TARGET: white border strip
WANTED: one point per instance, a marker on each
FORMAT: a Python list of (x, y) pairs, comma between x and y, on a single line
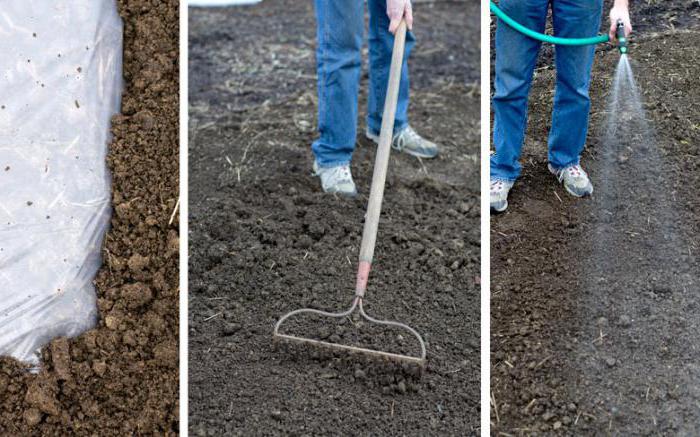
[(184, 228), (485, 221)]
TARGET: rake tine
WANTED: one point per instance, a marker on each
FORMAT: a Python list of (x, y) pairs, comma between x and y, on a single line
[(371, 352)]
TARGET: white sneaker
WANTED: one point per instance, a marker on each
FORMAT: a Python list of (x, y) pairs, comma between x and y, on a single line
[(336, 179), (499, 194), (575, 180), (410, 142)]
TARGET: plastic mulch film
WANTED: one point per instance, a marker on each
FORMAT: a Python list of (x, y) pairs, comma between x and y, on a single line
[(60, 83)]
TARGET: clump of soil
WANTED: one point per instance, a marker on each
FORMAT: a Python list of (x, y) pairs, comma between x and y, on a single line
[(121, 378), (265, 240), (594, 309)]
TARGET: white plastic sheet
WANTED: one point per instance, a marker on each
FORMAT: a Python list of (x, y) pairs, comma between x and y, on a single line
[(60, 83)]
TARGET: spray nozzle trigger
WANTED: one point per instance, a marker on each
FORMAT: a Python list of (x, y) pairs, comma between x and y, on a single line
[(621, 38)]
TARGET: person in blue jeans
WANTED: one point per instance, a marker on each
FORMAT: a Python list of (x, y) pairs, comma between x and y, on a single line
[(516, 57), (340, 29)]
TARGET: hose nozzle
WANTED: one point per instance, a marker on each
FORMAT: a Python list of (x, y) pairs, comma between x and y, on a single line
[(621, 38)]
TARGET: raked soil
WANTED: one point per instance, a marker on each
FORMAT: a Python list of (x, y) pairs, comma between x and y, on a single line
[(265, 240), (121, 378), (595, 301)]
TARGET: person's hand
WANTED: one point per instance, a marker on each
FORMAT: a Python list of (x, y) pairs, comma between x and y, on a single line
[(398, 9), (619, 13)]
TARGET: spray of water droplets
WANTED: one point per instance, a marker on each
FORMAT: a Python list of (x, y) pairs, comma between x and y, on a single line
[(627, 129), (636, 261)]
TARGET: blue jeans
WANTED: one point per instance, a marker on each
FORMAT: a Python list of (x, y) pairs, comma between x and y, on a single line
[(516, 57), (340, 32)]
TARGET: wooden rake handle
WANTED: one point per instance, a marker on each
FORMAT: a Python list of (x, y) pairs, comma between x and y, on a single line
[(376, 195)]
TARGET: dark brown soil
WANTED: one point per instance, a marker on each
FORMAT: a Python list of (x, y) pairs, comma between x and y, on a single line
[(121, 378), (264, 240), (594, 301)]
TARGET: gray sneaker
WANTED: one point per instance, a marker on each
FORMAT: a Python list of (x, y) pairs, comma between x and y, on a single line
[(499, 194), (410, 142), (336, 179), (575, 180)]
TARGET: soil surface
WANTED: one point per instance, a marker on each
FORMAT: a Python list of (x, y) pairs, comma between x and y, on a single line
[(594, 301), (265, 240), (121, 378)]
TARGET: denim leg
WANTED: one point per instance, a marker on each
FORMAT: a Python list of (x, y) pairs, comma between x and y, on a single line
[(567, 137), (516, 57), (340, 28), (381, 46)]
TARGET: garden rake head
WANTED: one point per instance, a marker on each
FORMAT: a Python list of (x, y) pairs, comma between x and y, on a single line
[(369, 235), (356, 306)]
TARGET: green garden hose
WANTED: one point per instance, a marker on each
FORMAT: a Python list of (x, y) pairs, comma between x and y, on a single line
[(547, 38)]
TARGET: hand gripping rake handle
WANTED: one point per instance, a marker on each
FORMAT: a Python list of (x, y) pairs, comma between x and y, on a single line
[(376, 194)]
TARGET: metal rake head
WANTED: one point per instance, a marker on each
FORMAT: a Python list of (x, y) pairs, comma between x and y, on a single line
[(356, 305)]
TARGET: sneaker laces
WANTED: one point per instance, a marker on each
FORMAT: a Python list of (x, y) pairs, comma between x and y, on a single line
[(575, 171), (341, 173), (497, 185)]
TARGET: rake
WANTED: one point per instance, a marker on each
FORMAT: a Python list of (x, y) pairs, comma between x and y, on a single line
[(369, 234)]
